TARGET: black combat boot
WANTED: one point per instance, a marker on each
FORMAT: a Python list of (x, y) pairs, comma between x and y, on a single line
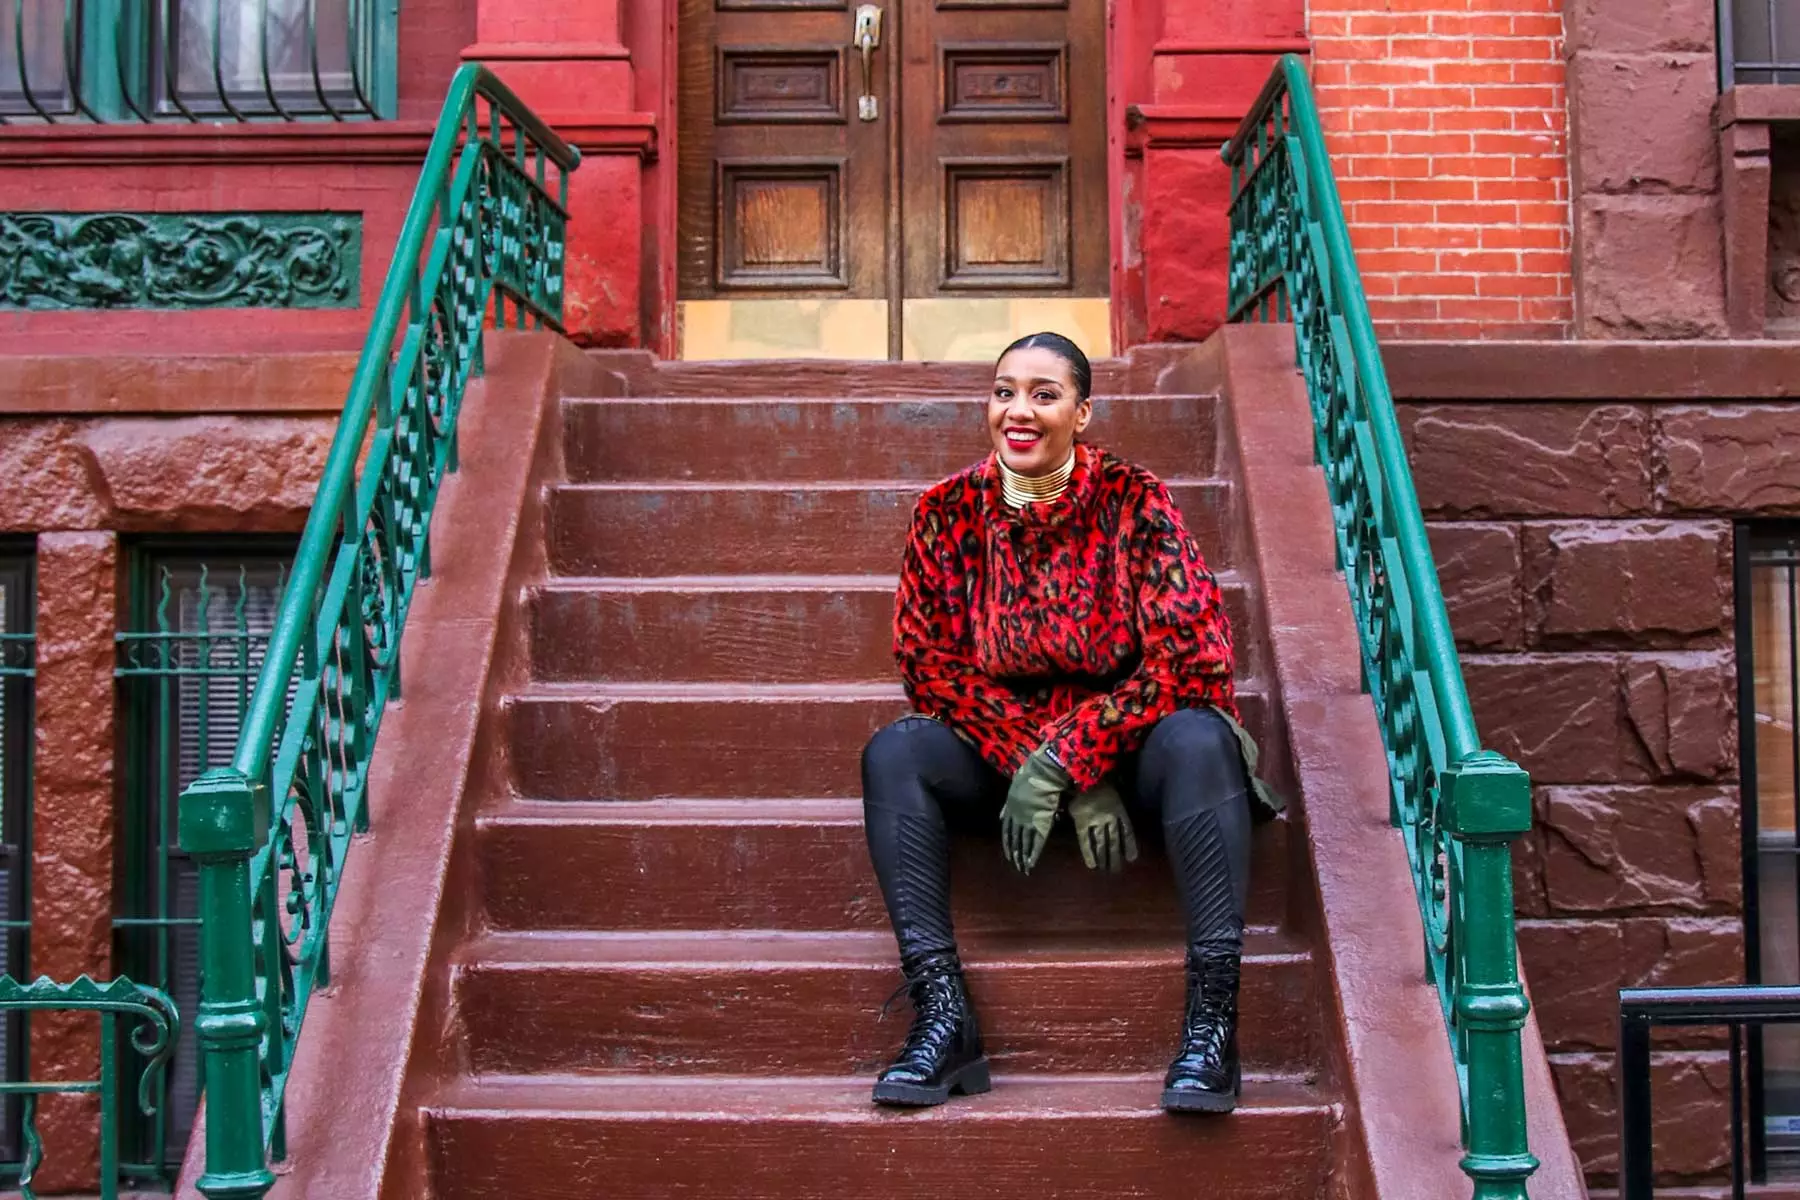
[(942, 1055), (1205, 1076)]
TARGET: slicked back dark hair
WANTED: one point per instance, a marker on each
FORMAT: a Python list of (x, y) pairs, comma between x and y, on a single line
[(1064, 349)]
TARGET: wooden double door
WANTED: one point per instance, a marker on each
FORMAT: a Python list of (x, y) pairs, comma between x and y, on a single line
[(911, 171)]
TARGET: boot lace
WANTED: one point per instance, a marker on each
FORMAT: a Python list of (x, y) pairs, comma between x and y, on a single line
[(936, 1005)]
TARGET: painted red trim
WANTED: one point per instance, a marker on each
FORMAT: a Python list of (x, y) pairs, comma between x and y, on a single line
[(607, 133), (1180, 126), (104, 145), (234, 145), (1254, 46), (551, 51)]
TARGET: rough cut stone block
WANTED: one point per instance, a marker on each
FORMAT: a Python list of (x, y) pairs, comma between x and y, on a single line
[(47, 478), (1682, 711), (1608, 849), (1625, 26), (1478, 568), (1583, 964), (1528, 875), (145, 473), (1559, 717), (72, 820), (1732, 459), (1630, 581), (1691, 1115), (1651, 266), (1643, 122), (1599, 718), (1529, 460)]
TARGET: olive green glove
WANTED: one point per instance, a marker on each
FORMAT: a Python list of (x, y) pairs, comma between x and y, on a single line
[(1103, 830), (1031, 803)]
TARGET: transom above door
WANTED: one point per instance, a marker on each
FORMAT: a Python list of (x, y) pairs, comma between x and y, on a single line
[(923, 179)]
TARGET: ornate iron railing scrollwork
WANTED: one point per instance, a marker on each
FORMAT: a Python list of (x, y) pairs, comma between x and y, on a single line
[(484, 235), (153, 1027), (1458, 807)]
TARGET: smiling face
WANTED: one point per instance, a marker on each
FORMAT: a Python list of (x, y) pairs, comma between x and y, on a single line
[(1035, 410)]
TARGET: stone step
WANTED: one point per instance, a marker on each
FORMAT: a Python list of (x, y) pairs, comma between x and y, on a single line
[(804, 865), (780, 629), (645, 741), (836, 378), (759, 1003), (800, 439), (1033, 1137), (831, 528)]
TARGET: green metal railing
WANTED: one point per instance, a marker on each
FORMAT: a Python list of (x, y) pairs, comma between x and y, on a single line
[(1458, 807), (484, 234), (112, 61), (154, 1027)]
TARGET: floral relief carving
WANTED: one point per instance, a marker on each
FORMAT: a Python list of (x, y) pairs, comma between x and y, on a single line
[(179, 260)]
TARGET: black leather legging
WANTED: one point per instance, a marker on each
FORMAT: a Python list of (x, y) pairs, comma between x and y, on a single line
[(919, 778)]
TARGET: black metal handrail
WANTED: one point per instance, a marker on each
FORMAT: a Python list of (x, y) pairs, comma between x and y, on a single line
[(126, 61), (1643, 1009)]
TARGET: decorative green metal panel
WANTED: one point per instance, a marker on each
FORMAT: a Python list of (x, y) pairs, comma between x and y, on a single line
[(180, 260), (18, 661), (484, 235), (199, 620), (152, 1025), (197, 60), (1458, 807)]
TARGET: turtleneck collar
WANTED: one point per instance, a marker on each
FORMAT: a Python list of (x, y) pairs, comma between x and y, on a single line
[(1019, 490)]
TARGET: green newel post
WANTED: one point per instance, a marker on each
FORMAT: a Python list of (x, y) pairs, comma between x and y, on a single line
[(1489, 806), (222, 823)]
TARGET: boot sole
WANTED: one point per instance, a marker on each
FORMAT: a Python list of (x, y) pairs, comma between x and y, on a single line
[(1186, 1100), (971, 1079)]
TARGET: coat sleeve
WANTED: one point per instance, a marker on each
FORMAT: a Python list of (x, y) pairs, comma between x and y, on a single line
[(932, 645), (1185, 646)]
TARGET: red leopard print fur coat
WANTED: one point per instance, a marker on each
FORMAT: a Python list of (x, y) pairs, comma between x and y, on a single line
[(1079, 623)]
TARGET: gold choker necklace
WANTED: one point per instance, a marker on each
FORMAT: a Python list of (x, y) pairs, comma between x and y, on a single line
[(1019, 490)]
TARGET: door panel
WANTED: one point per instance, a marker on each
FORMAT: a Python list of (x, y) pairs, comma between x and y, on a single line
[(783, 191), (972, 202), (1003, 163)]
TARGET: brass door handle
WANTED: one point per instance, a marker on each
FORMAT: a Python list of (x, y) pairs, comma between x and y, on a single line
[(866, 38)]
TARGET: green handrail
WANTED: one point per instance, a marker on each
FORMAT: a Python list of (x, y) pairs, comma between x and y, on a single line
[(484, 234), (154, 1026), (1458, 807)]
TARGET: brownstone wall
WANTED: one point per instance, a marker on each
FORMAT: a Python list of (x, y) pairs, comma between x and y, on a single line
[(1584, 544), (1644, 163), (90, 450)]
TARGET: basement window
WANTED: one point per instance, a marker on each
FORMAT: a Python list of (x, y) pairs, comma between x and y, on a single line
[(18, 610), (199, 620), (1768, 657)]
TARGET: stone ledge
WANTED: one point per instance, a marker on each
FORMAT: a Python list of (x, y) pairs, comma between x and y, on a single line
[(1635, 371), (112, 385)]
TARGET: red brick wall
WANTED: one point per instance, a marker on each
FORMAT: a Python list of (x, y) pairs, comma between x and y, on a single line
[(1447, 123)]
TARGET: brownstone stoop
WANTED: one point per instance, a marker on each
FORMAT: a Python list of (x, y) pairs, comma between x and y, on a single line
[(616, 933)]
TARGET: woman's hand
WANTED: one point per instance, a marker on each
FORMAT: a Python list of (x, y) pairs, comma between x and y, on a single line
[(1104, 831), (1031, 803)]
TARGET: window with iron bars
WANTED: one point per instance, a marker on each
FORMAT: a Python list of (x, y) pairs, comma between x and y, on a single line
[(18, 610), (197, 60), (1768, 654), (200, 617), (1759, 42)]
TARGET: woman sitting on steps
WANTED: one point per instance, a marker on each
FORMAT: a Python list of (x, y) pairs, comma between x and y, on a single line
[(1067, 655)]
